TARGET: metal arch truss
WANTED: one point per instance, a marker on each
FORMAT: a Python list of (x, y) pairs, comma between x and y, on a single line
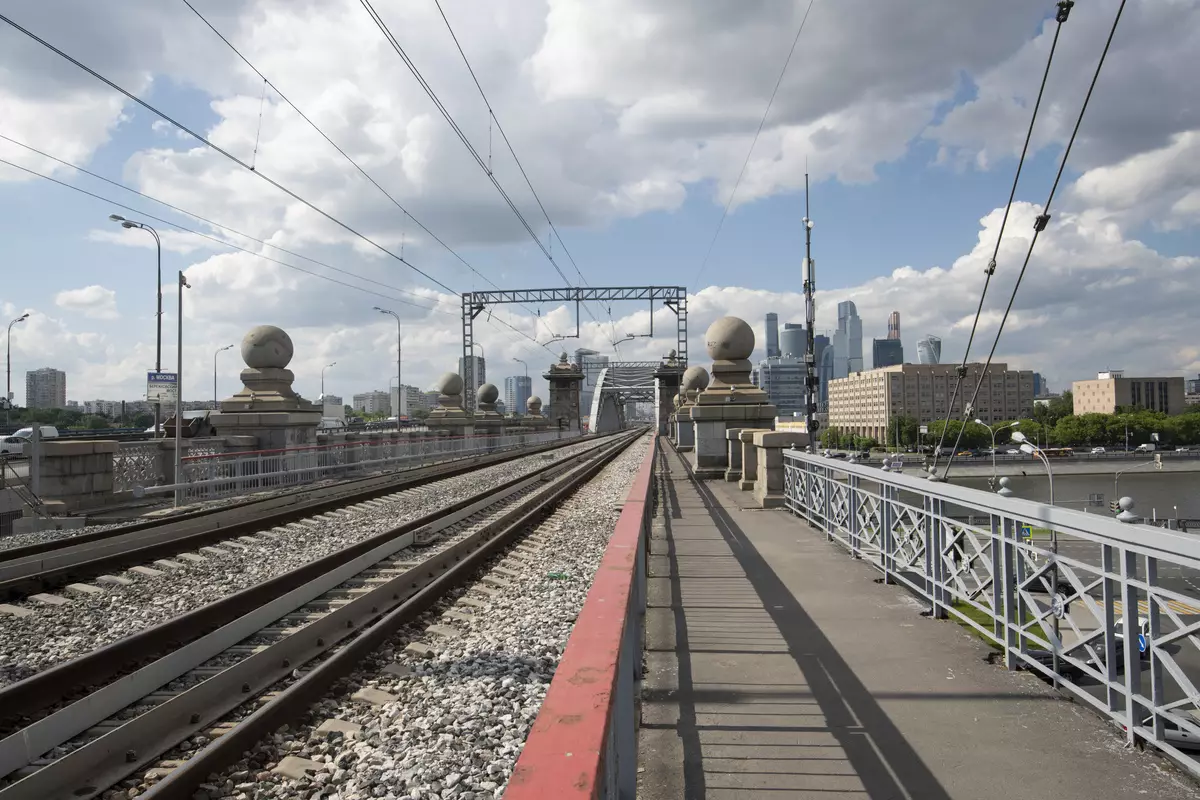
[(475, 303), (989, 562), (620, 382)]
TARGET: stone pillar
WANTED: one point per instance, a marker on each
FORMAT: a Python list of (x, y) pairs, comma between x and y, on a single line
[(667, 380), (768, 486), (730, 401), (695, 380), (449, 417), (76, 475), (489, 424), (733, 454), (533, 421), (565, 379), (749, 458)]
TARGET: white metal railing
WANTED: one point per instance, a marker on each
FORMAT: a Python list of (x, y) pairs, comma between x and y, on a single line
[(135, 464), (1047, 585), (207, 477)]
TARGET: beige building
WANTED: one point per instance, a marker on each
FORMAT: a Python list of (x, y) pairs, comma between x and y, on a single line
[(46, 388), (1111, 390), (865, 402)]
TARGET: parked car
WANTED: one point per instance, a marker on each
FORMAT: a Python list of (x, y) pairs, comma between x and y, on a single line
[(1096, 451), (48, 432), (12, 445), (1183, 449)]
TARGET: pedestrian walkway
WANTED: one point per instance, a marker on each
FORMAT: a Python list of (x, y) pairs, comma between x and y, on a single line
[(777, 666)]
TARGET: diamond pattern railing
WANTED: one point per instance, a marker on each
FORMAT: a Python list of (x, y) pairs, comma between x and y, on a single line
[(1048, 586)]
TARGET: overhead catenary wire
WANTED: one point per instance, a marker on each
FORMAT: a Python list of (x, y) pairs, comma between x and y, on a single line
[(267, 82), (1063, 12), (1043, 219), (761, 123)]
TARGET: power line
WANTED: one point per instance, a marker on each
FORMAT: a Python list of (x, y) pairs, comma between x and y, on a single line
[(1043, 219), (342, 152), (220, 150), (754, 141), (1063, 12)]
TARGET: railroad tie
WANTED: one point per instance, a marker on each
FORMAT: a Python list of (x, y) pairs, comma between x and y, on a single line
[(297, 768), (14, 611), (169, 564), (376, 697), (149, 572), (445, 631), (214, 551), (49, 599), (115, 580), (348, 730), (397, 670), (195, 558), (420, 650), (83, 588)]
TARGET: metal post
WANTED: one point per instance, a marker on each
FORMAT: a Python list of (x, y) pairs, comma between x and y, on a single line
[(226, 347), (183, 284), (130, 224), (810, 317), (8, 370), (35, 460)]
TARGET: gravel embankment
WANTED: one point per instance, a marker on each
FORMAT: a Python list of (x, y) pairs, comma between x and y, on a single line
[(57, 633), (460, 718)]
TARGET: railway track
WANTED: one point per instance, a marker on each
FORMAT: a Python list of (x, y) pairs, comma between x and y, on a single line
[(307, 635), (44, 566)]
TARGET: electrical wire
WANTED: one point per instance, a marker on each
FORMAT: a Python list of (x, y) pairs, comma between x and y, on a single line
[(220, 150), (753, 142), (1043, 219), (1063, 12), (342, 152)]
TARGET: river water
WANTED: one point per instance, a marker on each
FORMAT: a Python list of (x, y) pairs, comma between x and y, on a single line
[(1165, 494)]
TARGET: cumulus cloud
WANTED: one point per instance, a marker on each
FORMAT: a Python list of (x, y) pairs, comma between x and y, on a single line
[(94, 302)]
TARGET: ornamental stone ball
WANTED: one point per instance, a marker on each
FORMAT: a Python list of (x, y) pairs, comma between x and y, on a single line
[(534, 404), (488, 393), (729, 339), (695, 378), (450, 384), (267, 347)]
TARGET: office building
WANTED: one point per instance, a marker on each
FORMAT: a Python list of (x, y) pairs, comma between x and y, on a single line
[(893, 326), (865, 403), (403, 405), (517, 391), (1111, 390), (793, 342), (847, 341), (929, 349), (46, 388), (886, 353), (772, 335), (824, 371), (478, 377), (373, 402), (1192, 386), (782, 378), (1039, 385)]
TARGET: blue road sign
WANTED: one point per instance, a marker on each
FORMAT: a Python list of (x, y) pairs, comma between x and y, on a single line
[(1026, 532), (1141, 642)]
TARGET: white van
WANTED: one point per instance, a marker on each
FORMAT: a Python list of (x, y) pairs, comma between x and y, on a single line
[(48, 432)]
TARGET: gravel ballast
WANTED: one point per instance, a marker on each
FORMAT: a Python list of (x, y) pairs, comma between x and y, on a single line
[(460, 717), (53, 634)]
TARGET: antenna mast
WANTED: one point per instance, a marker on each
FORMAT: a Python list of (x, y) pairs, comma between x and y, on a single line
[(810, 308)]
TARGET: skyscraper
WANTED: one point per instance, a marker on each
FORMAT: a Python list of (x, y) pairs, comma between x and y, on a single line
[(46, 388), (480, 376), (793, 342), (825, 374), (782, 378), (847, 341), (893, 326), (517, 390), (929, 349), (886, 353), (772, 335)]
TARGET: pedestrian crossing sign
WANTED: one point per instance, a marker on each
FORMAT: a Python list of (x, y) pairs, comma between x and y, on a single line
[(1026, 532)]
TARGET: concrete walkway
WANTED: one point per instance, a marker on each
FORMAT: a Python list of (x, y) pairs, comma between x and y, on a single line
[(777, 667)]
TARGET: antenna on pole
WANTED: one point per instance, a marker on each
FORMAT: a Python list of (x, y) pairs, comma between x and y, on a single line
[(811, 381)]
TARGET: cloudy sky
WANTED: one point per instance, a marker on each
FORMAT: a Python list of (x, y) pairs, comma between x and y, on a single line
[(632, 120)]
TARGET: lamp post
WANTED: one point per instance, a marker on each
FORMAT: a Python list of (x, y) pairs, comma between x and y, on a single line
[(8, 370), (1117, 476), (1030, 449), (992, 481), (220, 350), (401, 400), (327, 366), (183, 284), (131, 224), (522, 362)]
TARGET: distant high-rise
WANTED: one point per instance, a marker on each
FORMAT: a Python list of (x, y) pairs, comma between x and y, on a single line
[(929, 349), (517, 391), (1039, 385), (893, 326), (847, 341), (793, 341), (886, 353), (825, 370), (782, 378), (46, 388), (772, 335), (479, 378)]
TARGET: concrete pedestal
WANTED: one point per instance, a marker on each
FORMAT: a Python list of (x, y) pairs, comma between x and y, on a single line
[(77, 475), (685, 434), (710, 455), (749, 458), (272, 430), (768, 485), (733, 454)]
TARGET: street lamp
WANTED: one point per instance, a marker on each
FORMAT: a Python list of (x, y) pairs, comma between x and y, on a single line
[(400, 398), (183, 284), (1033, 450), (1030, 449), (221, 350), (992, 482), (131, 224), (521, 361), (327, 366), (1117, 475), (8, 369)]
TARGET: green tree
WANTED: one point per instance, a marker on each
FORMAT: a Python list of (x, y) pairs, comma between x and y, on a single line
[(94, 422), (904, 429)]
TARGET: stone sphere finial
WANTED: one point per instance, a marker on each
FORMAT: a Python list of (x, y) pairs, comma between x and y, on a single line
[(562, 359), (695, 378), (267, 347), (450, 384), (488, 393), (729, 339), (534, 404)]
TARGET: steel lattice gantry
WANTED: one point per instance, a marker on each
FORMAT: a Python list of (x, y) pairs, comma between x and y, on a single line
[(474, 304)]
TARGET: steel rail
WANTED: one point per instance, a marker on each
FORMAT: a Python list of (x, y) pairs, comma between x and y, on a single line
[(102, 762), (71, 679), (74, 560)]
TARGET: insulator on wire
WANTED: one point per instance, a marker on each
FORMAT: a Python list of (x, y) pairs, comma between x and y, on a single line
[(1064, 10), (1041, 222)]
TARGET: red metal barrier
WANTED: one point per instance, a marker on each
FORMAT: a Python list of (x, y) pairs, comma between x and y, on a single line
[(580, 743)]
